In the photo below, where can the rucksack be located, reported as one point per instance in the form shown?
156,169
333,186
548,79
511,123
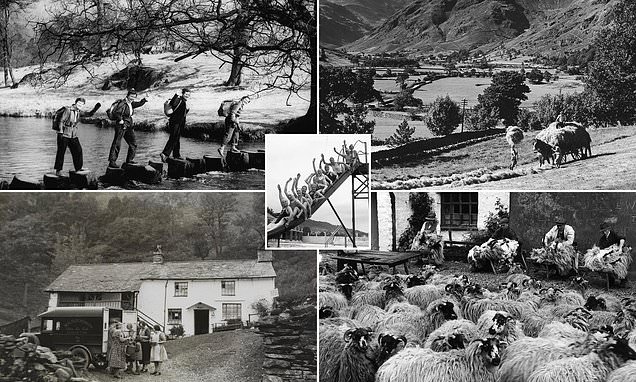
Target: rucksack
224,109
167,109
57,119
111,109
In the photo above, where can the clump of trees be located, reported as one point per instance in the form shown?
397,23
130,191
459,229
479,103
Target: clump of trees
500,100
443,117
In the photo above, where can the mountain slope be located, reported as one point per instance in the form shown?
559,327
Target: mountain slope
529,25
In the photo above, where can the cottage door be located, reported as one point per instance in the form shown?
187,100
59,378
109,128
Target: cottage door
201,321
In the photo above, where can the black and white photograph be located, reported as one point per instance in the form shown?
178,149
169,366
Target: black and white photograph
485,94
151,287
152,94
317,191
484,286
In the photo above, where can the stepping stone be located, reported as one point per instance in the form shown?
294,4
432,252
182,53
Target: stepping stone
84,179
157,165
115,176
142,173
257,159
20,183
54,182
198,165
237,161
179,168
213,163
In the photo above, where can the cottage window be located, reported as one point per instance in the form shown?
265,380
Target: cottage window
174,316
231,311
181,289
459,210
228,288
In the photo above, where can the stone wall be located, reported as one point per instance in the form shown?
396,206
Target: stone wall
290,350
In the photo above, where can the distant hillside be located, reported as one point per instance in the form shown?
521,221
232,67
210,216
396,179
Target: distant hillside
320,226
532,26
344,21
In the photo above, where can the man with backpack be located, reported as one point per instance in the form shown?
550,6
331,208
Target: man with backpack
177,110
65,123
232,125
121,112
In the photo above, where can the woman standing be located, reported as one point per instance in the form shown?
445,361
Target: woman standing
117,355
158,352
144,338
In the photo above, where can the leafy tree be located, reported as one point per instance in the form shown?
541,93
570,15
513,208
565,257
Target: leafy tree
406,98
403,134
612,75
340,87
504,96
217,213
356,122
443,117
482,118
400,80
535,76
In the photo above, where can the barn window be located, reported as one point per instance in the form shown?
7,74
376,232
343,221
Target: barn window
459,210
231,311
228,288
174,316
181,289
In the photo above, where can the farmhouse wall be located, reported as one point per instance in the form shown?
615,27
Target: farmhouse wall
384,222
157,296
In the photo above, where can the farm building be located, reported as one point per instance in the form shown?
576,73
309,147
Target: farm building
199,295
531,215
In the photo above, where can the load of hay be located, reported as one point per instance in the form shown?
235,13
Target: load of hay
495,254
561,256
609,260
432,242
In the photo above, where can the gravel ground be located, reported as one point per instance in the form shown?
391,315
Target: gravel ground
226,356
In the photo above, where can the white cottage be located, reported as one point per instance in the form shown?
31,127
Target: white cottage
199,295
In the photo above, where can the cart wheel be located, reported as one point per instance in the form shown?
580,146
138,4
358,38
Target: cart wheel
80,357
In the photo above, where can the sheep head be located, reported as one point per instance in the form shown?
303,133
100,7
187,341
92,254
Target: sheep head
389,345
415,280
489,349
594,303
326,312
456,341
454,289
358,338
620,348
500,320
446,309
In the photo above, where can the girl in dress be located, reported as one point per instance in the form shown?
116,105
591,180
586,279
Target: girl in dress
158,352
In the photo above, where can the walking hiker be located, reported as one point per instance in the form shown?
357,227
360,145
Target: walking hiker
122,112
177,111
233,126
65,123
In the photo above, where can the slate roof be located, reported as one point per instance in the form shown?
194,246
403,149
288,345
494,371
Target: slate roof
127,277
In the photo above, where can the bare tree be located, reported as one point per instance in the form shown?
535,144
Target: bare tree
7,9
217,212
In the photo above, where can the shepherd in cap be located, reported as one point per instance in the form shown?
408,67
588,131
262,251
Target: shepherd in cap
559,233
609,237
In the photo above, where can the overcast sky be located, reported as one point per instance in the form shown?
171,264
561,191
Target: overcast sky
290,154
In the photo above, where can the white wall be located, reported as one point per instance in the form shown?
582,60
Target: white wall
52,300
402,213
248,291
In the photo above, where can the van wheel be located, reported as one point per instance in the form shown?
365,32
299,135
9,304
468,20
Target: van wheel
80,357
31,338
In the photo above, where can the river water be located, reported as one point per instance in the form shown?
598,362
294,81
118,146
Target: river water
28,146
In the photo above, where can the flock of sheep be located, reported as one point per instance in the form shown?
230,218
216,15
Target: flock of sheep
554,143
445,328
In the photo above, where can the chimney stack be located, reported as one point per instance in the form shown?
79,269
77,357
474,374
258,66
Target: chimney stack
157,256
264,255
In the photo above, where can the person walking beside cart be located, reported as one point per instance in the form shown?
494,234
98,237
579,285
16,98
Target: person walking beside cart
122,112
177,110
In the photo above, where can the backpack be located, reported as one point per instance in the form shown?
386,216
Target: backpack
57,118
111,109
224,109
167,109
